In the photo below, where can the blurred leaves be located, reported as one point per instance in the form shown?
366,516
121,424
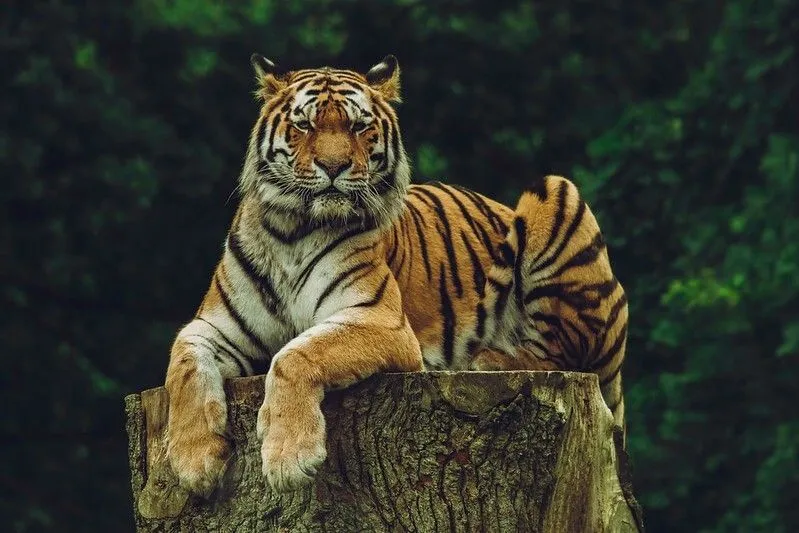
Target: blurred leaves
124,127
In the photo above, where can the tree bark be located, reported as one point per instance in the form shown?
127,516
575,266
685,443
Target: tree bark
428,451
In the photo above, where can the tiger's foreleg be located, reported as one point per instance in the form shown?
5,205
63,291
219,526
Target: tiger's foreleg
347,347
196,445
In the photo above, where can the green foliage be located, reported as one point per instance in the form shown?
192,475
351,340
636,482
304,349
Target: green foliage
124,126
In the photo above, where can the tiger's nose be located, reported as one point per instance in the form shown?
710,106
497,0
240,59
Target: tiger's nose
333,168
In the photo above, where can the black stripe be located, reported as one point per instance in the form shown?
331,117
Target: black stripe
466,215
481,320
356,279
378,295
570,293
345,75
270,152
231,347
507,254
446,237
306,272
259,137
586,255
478,201
472,346
390,138
477,268
219,349
268,294
611,352
576,295
224,337
550,320
305,76
357,85
610,321
593,323
583,350
607,380
448,319
567,236
337,281
539,188
552,290
395,145
395,248
521,238
578,352
398,270
358,250
414,193
502,295
540,345
489,245
248,332
557,221
479,230
555,328
416,216
408,246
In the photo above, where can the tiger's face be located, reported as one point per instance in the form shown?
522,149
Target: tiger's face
326,147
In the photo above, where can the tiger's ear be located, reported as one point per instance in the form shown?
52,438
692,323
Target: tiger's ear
385,78
266,74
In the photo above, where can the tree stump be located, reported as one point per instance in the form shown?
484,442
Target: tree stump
426,451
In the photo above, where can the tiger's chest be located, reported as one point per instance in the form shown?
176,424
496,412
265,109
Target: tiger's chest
300,284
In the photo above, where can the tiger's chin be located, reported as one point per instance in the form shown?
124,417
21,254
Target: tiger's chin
335,209
339,210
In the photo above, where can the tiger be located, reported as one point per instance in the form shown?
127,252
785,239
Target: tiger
335,267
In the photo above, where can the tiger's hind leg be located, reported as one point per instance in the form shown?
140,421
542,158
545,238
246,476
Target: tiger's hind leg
554,296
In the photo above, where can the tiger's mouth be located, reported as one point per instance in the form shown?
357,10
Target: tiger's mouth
332,193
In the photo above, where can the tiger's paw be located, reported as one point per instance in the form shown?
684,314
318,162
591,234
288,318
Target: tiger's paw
196,447
487,360
293,447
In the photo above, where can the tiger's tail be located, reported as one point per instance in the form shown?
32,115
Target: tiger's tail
556,303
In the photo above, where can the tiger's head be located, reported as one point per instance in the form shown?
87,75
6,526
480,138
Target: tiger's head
326,148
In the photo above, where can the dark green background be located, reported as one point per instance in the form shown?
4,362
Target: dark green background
123,127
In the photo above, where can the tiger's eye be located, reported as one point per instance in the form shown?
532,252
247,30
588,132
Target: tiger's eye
359,125
303,125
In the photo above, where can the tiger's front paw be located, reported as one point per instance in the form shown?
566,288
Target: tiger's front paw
293,433
197,449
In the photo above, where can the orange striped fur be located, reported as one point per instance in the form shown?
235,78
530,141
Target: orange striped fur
335,268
